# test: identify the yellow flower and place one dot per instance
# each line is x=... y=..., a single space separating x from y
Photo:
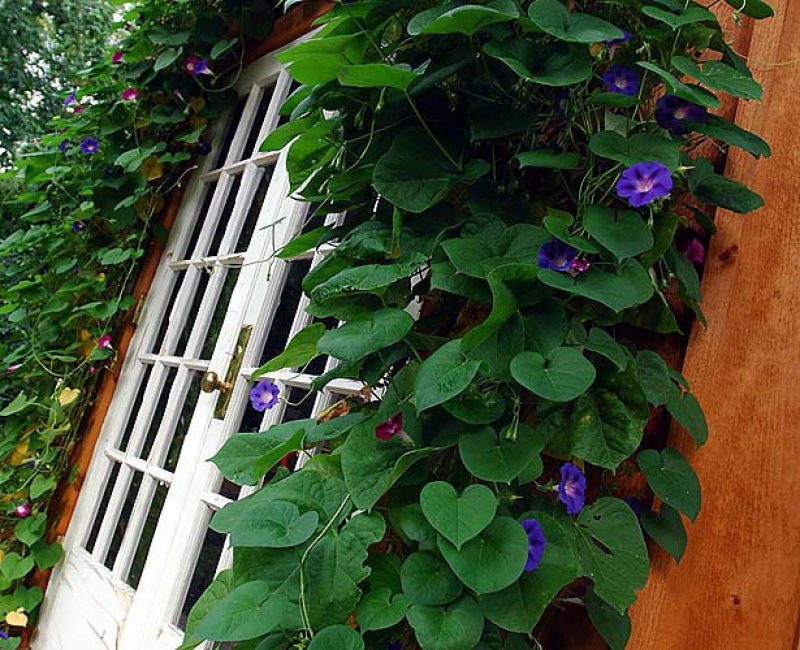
x=17 y=618
x=68 y=395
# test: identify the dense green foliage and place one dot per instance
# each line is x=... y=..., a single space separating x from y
x=82 y=221
x=43 y=48
x=461 y=139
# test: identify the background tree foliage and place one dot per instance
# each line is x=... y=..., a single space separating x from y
x=43 y=47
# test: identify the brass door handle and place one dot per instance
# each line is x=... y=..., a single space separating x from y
x=211 y=382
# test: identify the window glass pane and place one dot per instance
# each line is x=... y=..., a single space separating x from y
x=182 y=427
x=203 y=573
x=250 y=221
x=255 y=127
x=232 y=274
x=156 y=345
x=197 y=301
x=122 y=522
x=137 y=405
x=229 y=490
x=230 y=132
x=317 y=366
x=201 y=219
x=158 y=414
x=287 y=307
x=299 y=404
x=225 y=217
x=101 y=511
x=147 y=534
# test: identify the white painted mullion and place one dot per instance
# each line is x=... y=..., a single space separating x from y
x=251 y=177
x=279 y=93
x=242 y=131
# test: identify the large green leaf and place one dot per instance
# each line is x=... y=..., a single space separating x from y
x=427 y=580
x=466 y=19
x=638 y=147
x=555 y=19
x=319 y=60
x=377 y=75
x=560 y=376
x=672 y=478
x=337 y=637
x=299 y=351
x=414 y=174
x=444 y=375
x=246 y=457
x=612 y=552
x=493 y=560
x=458 y=518
x=718 y=127
x=275 y=524
x=713 y=189
x=666 y=528
x=221 y=586
x=380 y=608
x=510 y=252
x=491 y=456
x=686 y=16
x=455 y=627
x=685 y=408
x=560 y=64
x=755 y=8
x=653 y=376
x=614 y=627
x=232 y=618
x=518 y=608
x=361 y=336
x=372 y=466
x=689 y=92
x=720 y=76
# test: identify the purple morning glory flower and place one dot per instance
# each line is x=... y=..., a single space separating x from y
x=3 y=635
x=90 y=145
x=204 y=148
x=264 y=395
x=194 y=65
x=70 y=99
x=556 y=255
x=117 y=57
x=572 y=488
x=63 y=145
x=693 y=249
x=672 y=113
x=130 y=95
x=536 y=543
x=78 y=226
x=626 y=36
x=390 y=428
x=634 y=504
x=580 y=265
x=622 y=79
x=643 y=183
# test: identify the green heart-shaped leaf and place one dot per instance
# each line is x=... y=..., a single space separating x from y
x=672 y=478
x=337 y=637
x=493 y=457
x=493 y=560
x=464 y=19
x=380 y=608
x=275 y=524
x=458 y=518
x=555 y=19
x=561 y=376
x=624 y=233
x=456 y=627
x=561 y=64
x=427 y=580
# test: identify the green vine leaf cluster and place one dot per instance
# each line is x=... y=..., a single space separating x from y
x=519 y=179
x=80 y=210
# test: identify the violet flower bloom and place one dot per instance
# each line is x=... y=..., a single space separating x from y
x=572 y=488
x=104 y=342
x=194 y=65
x=63 y=145
x=23 y=510
x=117 y=57
x=78 y=226
x=556 y=255
x=90 y=146
x=70 y=99
x=204 y=148
x=580 y=265
x=130 y=95
x=390 y=428
x=626 y=36
x=13 y=367
x=643 y=183
x=672 y=113
x=3 y=635
x=634 y=504
x=536 y=543
x=264 y=395
x=622 y=79
x=694 y=250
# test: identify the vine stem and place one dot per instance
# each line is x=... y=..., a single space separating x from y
x=317 y=540
x=425 y=126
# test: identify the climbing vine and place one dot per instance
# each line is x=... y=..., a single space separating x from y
x=524 y=188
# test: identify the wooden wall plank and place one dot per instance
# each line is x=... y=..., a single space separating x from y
x=738 y=585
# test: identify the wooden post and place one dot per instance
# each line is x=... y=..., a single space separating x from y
x=738 y=585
